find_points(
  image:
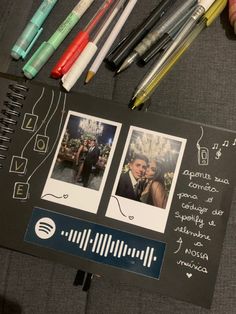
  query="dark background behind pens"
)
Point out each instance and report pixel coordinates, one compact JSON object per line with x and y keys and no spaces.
{"x":200,"y":87}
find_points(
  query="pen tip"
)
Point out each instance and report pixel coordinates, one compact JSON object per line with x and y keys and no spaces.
{"x":136,"y":103}
{"x":128,"y":61}
{"x":134,"y":96}
{"x":89,"y":76}
{"x":131,"y":104}
{"x":122,"y":68}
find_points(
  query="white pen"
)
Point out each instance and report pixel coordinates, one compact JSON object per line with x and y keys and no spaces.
{"x":110,"y":40}
{"x":70,"y":78}
{"x":201,"y":8}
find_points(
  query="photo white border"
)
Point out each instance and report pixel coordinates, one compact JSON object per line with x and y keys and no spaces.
{"x":73,"y":195}
{"x":134,"y":212}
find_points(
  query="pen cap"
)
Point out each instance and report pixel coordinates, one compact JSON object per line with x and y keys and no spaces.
{"x":24,"y":41}
{"x":32,"y":31}
{"x":206,"y":3}
{"x":70,"y":55}
{"x":37,"y":61}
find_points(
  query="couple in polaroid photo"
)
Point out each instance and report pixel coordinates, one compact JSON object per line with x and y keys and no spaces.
{"x":144,"y":181}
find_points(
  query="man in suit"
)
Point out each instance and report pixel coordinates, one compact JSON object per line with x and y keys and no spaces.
{"x":90,"y":162}
{"x":129,"y":181}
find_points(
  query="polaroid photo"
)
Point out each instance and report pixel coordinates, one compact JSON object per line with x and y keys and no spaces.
{"x":146,"y":179}
{"x":81,"y":163}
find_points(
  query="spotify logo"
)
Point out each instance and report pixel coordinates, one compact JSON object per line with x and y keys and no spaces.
{"x":45,"y":228}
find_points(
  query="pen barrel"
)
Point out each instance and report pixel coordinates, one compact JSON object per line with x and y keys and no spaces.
{"x":166,"y":38}
{"x":70,"y":55}
{"x":122,"y":51}
{"x":77,"y":53}
{"x":79,"y":66}
{"x":63,"y":30}
{"x":98,"y":16}
{"x":37,"y":61}
{"x":43,"y":11}
{"x":67,"y":25}
{"x":181,"y":35}
{"x":157,"y":48}
{"x":164,"y":26}
{"x":114,"y":33}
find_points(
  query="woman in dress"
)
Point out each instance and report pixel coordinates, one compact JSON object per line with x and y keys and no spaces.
{"x":80,"y":157}
{"x":154,"y":192}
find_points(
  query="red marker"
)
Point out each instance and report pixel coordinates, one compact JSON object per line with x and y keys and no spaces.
{"x":79,"y":43}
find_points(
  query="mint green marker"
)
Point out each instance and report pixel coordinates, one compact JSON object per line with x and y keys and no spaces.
{"x":32,"y":30}
{"x":47,"y":48}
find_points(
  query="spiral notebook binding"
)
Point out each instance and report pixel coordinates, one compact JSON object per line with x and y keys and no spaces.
{"x":9,"y":116}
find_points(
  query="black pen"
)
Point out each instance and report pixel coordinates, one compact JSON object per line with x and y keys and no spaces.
{"x":166,"y":39}
{"x":122,"y":50}
{"x":157,"y":32}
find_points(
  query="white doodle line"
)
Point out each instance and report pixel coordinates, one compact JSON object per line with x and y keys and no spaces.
{"x":32,"y":113}
{"x":37,"y":101}
{"x":121,"y":210}
{"x":45,"y":132}
{"x":31,"y":138}
{"x":58,"y":132}
{"x":200,"y":138}
{"x":49,"y":120}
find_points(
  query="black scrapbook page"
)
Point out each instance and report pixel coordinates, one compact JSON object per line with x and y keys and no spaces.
{"x":136,"y":196}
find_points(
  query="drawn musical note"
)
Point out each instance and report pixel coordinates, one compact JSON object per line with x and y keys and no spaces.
{"x":215,"y":146}
{"x":226,"y":143}
{"x":218,"y":154}
{"x":234,"y":143}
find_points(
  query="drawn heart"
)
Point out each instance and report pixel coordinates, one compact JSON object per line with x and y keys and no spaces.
{"x":189,"y":275}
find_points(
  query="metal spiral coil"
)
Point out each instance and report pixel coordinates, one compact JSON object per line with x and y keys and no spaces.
{"x":9,"y":115}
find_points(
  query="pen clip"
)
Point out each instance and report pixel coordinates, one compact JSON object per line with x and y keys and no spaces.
{"x":32,"y":43}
